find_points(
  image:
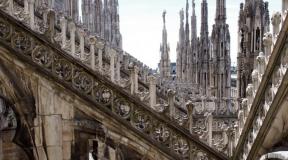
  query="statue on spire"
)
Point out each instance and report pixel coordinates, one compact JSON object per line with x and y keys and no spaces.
{"x":187,"y":8}
{"x":182,"y":15}
{"x":193,"y":4}
{"x":164,"y":15}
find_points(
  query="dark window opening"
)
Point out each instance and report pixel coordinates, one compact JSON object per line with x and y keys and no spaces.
{"x":257,"y":39}
{"x":222,"y":49}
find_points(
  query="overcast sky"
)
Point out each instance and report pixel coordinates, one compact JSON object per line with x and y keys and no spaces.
{"x":141,"y":25}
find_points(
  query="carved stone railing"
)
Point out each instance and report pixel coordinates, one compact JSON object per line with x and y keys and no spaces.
{"x":97,"y":54}
{"x":40,"y":50}
{"x":267,"y":77}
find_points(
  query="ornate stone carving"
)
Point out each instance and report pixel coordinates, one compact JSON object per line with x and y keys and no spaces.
{"x":180,"y":145}
{"x":82,"y":81}
{"x":161,"y":133}
{"x":122,"y":108}
{"x":276,"y":20}
{"x":21,"y":42}
{"x":223,"y":107}
{"x":42,"y":56}
{"x":62,"y":68}
{"x":181,"y":118}
{"x":255,"y":79}
{"x":261,"y":64}
{"x":199,"y":108}
{"x":267,"y":42}
{"x":105,"y":95}
{"x":5,"y":30}
{"x":141,"y":121}
{"x":277,"y":78}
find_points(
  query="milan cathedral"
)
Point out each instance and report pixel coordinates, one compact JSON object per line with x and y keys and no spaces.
{"x":68,"y":90}
{"x":203,"y":63}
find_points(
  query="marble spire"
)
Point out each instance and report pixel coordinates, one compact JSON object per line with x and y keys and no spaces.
{"x":193,"y":23}
{"x":220,"y":11}
{"x":204,"y":19}
{"x":180,"y":47}
{"x":164,"y":49}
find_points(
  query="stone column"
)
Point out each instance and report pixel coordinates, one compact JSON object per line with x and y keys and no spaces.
{"x":134,"y":79}
{"x":225,"y":135}
{"x":72,"y":28}
{"x":31,"y":13}
{"x":92,"y":42}
{"x":101,"y":149}
{"x":53,"y":136}
{"x":11,"y":7}
{"x":190,"y":108}
{"x":100,"y":46}
{"x":68,"y":135}
{"x":171,"y":100}
{"x":39,"y":138}
{"x":203,"y":98}
{"x":231,"y":140}
{"x":63,"y":25}
{"x":210,"y":129}
{"x":50,"y":21}
{"x":82,"y":34}
{"x":112,"y":64}
{"x":152,"y":90}
{"x":118,"y":68}
{"x":136,"y":72}
{"x":112,"y":154}
{"x":146,"y":72}
{"x":48,"y":122}
{"x":125,"y":60}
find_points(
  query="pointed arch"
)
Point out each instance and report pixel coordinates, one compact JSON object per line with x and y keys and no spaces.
{"x":16,"y":91}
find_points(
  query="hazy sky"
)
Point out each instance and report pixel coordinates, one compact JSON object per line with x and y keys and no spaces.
{"x":141,"y":25}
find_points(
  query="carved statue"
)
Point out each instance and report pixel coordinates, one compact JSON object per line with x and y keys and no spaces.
{"x":164,"y":16}
{"x":182,"y":15}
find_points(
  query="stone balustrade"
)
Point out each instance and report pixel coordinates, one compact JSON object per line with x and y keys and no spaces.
{"x":269,"y":70}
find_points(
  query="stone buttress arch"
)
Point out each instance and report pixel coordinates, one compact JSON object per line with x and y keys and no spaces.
{"x":16,"y":90}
